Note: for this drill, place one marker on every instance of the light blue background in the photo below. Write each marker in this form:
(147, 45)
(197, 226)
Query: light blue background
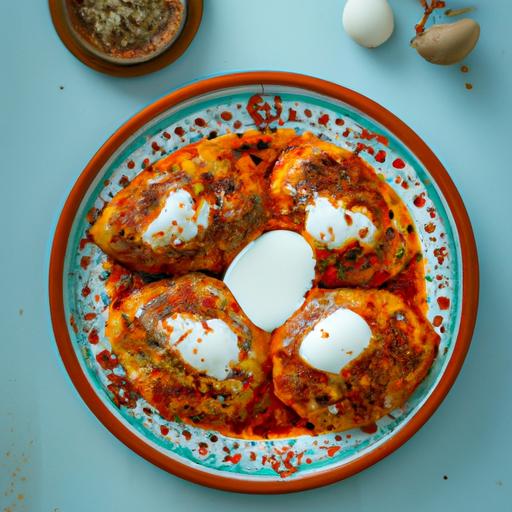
(61, 457)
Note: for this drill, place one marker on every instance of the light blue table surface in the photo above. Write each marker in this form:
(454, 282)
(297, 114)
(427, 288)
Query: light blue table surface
(55, 113)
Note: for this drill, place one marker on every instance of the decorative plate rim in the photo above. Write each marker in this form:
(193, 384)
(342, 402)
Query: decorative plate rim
(469, 264)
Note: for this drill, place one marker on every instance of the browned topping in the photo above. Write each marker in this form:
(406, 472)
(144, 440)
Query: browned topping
(127, 28)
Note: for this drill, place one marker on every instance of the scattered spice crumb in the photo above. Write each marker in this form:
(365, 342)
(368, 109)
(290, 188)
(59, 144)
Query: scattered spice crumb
(499, 483)
(464, 68)
(468, 86)
(61, 87)
(445, 477)
(20, 311)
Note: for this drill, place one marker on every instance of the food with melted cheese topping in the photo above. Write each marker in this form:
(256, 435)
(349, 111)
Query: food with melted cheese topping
(361, 231)
(335, 392)
(335, 341)
(190, 351)
(194, 209)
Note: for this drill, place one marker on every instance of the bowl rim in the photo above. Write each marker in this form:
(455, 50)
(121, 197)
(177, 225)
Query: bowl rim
(193, 16)
(470, 281)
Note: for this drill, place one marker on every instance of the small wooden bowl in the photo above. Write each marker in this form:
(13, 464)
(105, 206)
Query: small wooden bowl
(194, 12)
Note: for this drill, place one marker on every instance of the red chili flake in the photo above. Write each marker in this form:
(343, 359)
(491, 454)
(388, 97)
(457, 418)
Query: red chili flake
(130, 164)
(234, 459)
(370, 429)
(308, 113)
(380, 156)
(339, 122)
(323, 120)
(437, 321)
(199, 122)
(72, 321)
(256, 106)
(332, 450)
(86, 291)
(360, 147)
(430, 227)
(308, 461)
(441, 253)
(292, 114)
(145, 163)
(166, 135)
(93, 337)
(187, 435)
(405, 185)
(365, 134)
(338, 438)
(442, 329)
(89, 316)
(124, 181)
(398, 163)
(252, 455)
(346, 133)
(179, 131)
(85, 261)
(227, 116)
(106, 360)
(419, 201)
(444, 303)
(237, 125)
(84, 242)
(431, 212)
(164, 430)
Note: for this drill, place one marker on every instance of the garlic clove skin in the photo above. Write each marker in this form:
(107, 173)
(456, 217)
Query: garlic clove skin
(449, 43)
(369, 23)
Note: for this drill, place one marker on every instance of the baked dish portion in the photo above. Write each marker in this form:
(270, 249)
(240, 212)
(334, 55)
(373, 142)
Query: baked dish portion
(190, 351)
(347, 357)
(360, 230)
(194, 209)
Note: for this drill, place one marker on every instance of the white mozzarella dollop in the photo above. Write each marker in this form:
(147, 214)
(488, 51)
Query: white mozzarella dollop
(368, 22)
(335, 341)
(333, 226)
(270, 277)
(208, 346)
(178, 221)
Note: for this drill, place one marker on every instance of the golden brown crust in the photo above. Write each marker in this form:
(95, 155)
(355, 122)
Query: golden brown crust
(312, 168)
(401, 350)
(158, 372)
(228, 172)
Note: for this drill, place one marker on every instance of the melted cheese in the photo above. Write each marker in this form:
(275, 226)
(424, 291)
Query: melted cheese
(335, 341)
(208, 346)
(178, 221)
(334, 226)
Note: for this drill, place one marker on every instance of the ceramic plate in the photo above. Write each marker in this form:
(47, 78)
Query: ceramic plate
(213, 107)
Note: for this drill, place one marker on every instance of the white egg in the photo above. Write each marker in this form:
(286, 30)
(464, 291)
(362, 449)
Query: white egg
(335, 341)
(270, 277)
(368, 22)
